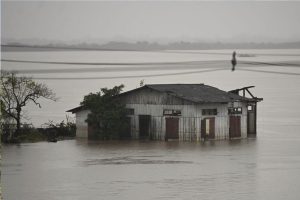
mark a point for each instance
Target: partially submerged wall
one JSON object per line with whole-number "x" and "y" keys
{"x": 189, "y": 120}
{"x": 81, "y": 124}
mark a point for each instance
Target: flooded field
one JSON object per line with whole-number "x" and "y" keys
{"x": 267, "y": 167}
{"x": 258, "y": 168}
{"x": 73, "y": 74}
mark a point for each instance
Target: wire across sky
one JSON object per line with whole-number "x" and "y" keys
{"x": 193, "y": 66}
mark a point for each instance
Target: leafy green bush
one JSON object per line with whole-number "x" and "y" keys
{"x": 30, "y": 134}
{"x": 108, "y": 117}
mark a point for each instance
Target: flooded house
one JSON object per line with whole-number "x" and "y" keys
{"x": 185, "y": 112}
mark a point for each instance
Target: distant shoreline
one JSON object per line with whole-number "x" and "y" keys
{"x": 146, "y": 46}
{"x": 7, "y": 48}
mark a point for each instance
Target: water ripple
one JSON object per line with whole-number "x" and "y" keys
{"x": 130, "y": 161}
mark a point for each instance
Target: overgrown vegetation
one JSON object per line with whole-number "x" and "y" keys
{"x": 50, "y": 132}
{"x": 30, "y": 134}
{"x": 17, "y": 92}
{"x": 64, "y": 129}
{"x": 108, "y": 114}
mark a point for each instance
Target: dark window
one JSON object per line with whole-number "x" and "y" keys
{"x": 172, "y": 112}
{"x": 209, "y": 112}
{"x": 129, "y": 111}
{"x": 237, "y": 110}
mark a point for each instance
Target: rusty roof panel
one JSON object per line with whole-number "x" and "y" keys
{"x": 198, "y": 93}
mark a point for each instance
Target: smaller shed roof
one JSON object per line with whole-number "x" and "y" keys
{"x": 77, "y": 109}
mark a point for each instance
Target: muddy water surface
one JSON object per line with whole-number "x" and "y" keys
{"x": 258, "y": 168}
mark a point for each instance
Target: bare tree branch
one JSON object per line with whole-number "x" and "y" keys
{"x": 20, "y": 90}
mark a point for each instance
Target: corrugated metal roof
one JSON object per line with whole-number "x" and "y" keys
{"x": 198, "y": 93}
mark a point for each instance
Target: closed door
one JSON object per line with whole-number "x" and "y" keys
{"x": 251, "y": 119}
{"x": 126, "y": 130}
{"x": 172, "y": 128}
{"x": 208, "y": 128}
{"x": 234, "y": 126}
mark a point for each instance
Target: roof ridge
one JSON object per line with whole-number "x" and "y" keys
{"x": 176, "y": 84}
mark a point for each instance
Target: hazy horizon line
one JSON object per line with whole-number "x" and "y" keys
{"x": 147, "y": 45}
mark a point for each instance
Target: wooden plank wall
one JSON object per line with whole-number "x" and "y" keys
{"x": 150, "y": 102}
{"x": 189, "y": 121}
{"x": 81, "y": 125}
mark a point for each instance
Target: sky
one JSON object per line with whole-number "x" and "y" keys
{"x": 160, "y": 21}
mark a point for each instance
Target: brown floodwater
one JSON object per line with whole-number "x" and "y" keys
{"x": 264, "y": 168}
{"x": 261, "y": 168}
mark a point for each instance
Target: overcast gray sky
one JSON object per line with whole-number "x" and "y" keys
{"x": 161, "y": 21}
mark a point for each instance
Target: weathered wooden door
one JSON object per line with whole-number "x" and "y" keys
{"x": 251, "y": 120}
{"x": 126, "y": 132}
{"x": 144, "y": 126}
{"x": 208, "y": 128}
{"x": 235, "y": 126}
{"x": 172, "y": 128}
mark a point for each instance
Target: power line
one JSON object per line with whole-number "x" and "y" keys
{"x": 152, "y": 63}
{"x": 119, "y": 68}
{"x": 229, "y": 53}
{"x": 150, "y": 66}
{"x": 128, "y": 76}
{"x": 104, "y": 63}
{"x": 136, "y": 66}
{"x": 278, "y": 64}
{"x": 271, "y": 72}
{"x": 158, "y": 75}
{"x": 188, "y": 51}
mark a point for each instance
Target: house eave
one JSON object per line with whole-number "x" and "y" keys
{"x": 76, "y": 109}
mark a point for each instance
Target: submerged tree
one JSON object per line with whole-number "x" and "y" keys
{"x": 17, "y": 92}
{"x": 108, "y": 113}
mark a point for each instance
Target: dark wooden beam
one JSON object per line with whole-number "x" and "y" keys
{"x": 250, "y": 93}
{"x": 244, "y": 88}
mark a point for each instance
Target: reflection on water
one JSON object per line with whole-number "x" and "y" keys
{"x": 259, "y": 168}
{"x": 130, "y": 161}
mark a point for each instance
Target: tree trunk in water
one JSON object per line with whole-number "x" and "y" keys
{"x": 17, "y": 132}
